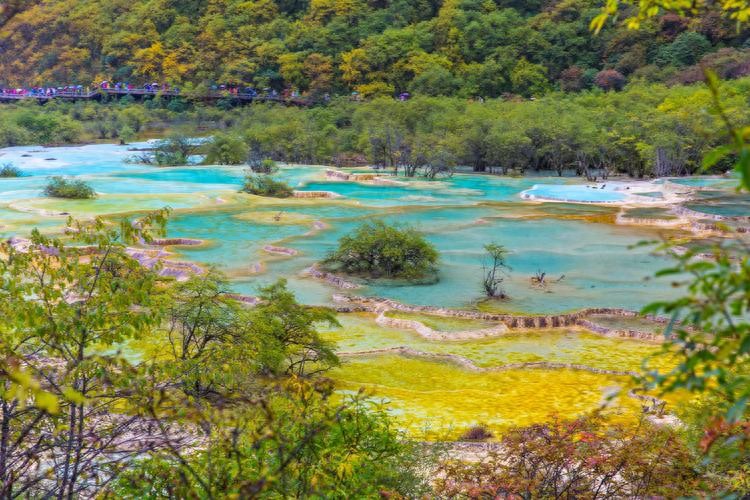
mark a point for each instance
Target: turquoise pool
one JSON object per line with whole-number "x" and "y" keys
{"x": 574, "y": 193}
{"x": 596, "y": 259}
{"x": 590, "y": 262}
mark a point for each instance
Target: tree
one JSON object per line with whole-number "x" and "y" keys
{"x": 647, "y": 9}
{"x": 571, "y": 80}
{"x": 126, "y": 134}
{"x": 711, "y": 335}
{"x": 292, "y": 441}
{"x": 65, "y": 308}
{"x": 709, "y": 326}
{"x": 528, "y": 79}
{"x": 174, "y": 150}
{"x": 226, "y": 150}
{"x": 494, "y": 268}
{"x": 434, "y": 82}
{"x": 319, "y": 70}
{"x": 286, "y": 330}
{"x": 610, "y": 79}
{"x": 377, "y": 249}
{"x": 207, "y": 334}
{"x": 686, "y": 49}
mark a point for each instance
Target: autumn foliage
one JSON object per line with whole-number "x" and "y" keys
{"x": 583, "y": 458}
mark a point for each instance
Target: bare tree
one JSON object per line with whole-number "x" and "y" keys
{"x": 494, "y": 268}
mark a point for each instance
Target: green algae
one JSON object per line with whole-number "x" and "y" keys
{"x": 359, "y": 332}
{"x": 658, "y": 213}
{"x": 440, "y": 400}
{"x": 111, "y": 204}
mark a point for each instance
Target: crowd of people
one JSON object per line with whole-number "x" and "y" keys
{"x": 153, "y": 88}
{"x": 236, "y": 90}
{"x": 45, "y": 91}
{"x": 148, "y": 88}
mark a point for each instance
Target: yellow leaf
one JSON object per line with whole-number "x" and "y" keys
{"x": 47, "y": 402}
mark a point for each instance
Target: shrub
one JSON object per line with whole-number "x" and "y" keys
{"x": 264, "y": 185}
{"x": 175, "y": 150}
{"x": 571, "y": 79}
{"x": 60, "y": 187}
{"x": 10, "y": 170}
{"x": 377, "y": 249}
{"x": 610, "y": 79}
{"x": 685, "y": 50}
{"x": 476, "y": 433}
{"x": 588, "y": 457}
{"x": 267, "y": 166}
{"x": 226, "y": 150}
{"x": 177, "y": 105}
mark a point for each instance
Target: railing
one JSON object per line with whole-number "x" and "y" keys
{"x": 93, "y": 94}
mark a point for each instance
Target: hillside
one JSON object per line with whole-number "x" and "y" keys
{"x": 465, "y": 48}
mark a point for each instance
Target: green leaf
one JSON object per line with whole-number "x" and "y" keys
{"x": 73, "y": 396}
{"x": 737, "y": 410}
{"x": 715, "y": 155}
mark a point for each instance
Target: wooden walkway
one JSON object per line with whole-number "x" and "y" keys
{"x": 145, "y": 93}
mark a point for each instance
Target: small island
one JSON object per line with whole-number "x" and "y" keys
{"x": 381, "y": 250}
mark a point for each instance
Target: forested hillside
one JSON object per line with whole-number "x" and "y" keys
{"x": 465, "y": 48}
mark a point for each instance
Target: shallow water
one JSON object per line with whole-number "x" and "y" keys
{"x": 589, "y": 261}
{"x": 726, "y": 203}
{"x": 703, "y": 182}
{"x": 359, "y": 332}
{"x": 579, "y": 193}
{"x": 440, "y": 400}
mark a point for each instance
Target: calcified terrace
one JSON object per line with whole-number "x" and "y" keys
{"x": 441, "y": 357}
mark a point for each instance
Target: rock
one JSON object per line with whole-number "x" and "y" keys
{"x": 316, "y": 194}
{"x": 165, "y": 242}
{"x": 330, "y": 278}
{"x": 19, "y": 244}
{"x": 337, "y": 175}
{"x": 289, "y": 252}
{"x": 666, "y": 420}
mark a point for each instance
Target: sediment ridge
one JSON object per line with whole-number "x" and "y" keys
{"x": 288, "y": 252}
{"x": 694, "y": 214}
{"x": 377, "y": 179}
{"x": 316, "y": 194}
{"x": 330, "y": 278}
{"x": 168, "y": 242}
{"x": 431, "y": 334}
{"x": 509, "y": 321}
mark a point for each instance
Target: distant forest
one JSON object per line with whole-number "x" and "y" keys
{"x": 462, "y": 48}
{"x": 645, "y": 130}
